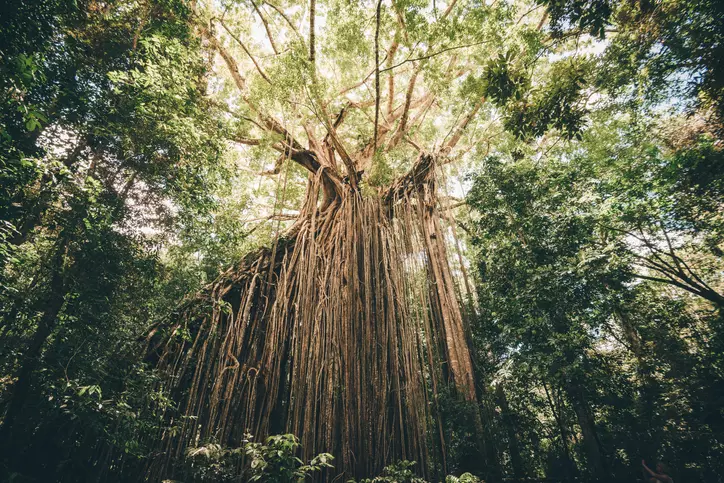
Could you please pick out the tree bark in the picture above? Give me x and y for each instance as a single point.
(334, 329)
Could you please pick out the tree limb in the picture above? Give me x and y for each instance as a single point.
(402, 126)
(238, 41)
(284, 16)
(391, 78)
(377, 71)
(266, 27)
(312, 13)
(460, 129)
(428, 56)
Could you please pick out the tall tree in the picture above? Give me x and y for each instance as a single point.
(349, 326)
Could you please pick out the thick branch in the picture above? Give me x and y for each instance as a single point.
(231, 64)
(290, 146)
(246, 141)
(391, 78)
(448, 9)
(367, 152)
(402, 127)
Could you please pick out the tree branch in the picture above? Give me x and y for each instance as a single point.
(460, 129)
(377, 71)
(284, 16)
(266, 27)
(312, 13)
(401, 128)
(448, 9)
(428, 56)
(391, 78)
(238, 41)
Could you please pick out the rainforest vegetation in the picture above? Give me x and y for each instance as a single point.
(361, 240)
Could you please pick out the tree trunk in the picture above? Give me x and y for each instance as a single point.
(591, 443)
(340, 328)
(511, 431)
(23, 380)
(570, 469)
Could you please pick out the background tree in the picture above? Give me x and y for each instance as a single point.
(100, 135)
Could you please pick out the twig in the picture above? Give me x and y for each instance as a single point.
(428, 56)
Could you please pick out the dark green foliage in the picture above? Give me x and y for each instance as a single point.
(502, 81)
(399, 472)
(569, 329)
(558, 105)
(273, 461)
(661, 47)
(102, 123)
(586, 15)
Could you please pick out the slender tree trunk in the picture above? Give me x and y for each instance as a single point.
(490, 466)
(591, 443)
(23, 380)
(571, 468)
(649, 388)
(511, 431)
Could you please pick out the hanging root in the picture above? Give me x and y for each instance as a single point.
(341, 334)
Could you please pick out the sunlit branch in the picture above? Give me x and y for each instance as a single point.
(543, 20)
(277, 217)
(231, 64)
(460, 129)
(266, 27)
(338, 146)
(285, 17)
(448, 9)
(391, 78)
(243, 46)
(433, 54)
(401, 22)
(528, 12)
(246, 141)
(312, 13)
(671, 266)
(291, 147)
(401, 128)
(367, 152)
(419, 116)
(413, 144)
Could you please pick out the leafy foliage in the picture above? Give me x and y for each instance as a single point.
(398, 472)
(273, 461)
